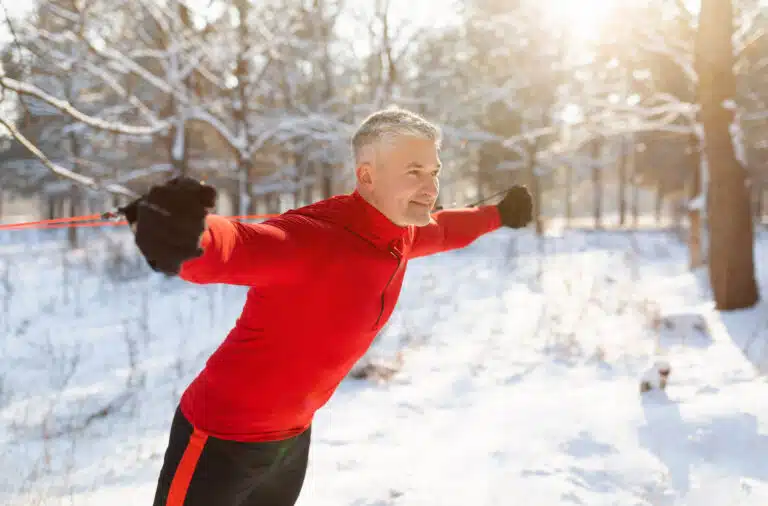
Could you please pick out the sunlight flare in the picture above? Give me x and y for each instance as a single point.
(583, 20)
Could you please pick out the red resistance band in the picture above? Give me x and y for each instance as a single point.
(96, 220)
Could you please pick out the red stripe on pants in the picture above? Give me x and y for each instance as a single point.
(183, 475)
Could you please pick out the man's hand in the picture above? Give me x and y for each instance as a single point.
(169, 221)
(516, 208)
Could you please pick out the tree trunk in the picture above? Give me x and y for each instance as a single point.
(299, 182)
(659, 199)
(178, 147)
(568, 187)
(731, 255)
(327, 175)
(51, 208)
(273, 206)
(247, 200)
(535, 187)
(479, 172)
(296, 196)
(252, 204)
(75, 195)
(75, 204)
(635, 199)
(622, 186)
(242, 109)
(235, 197)
(695, 253)
(597, 184)
(754, 196)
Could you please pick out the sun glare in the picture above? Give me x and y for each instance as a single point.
(582, 19)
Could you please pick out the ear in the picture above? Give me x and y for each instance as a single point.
(364, 172)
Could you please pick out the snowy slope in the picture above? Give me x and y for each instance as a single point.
(519, 384)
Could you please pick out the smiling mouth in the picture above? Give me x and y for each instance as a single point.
(423, 204)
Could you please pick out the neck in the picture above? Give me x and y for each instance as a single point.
(372, 201)
(367, 196)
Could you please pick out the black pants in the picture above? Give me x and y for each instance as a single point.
(201, 470)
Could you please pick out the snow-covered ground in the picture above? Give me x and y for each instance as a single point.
(521, 366)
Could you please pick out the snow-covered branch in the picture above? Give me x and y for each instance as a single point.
(61, 171)
(69, 65)
(682, 55)
(672, 106)
(67, 108)
(746, 34)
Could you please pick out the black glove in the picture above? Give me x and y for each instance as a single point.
(169, 220)
(516, 208)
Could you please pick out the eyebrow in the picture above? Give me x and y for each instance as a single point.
(417, 165)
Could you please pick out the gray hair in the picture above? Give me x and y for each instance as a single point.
(391, 122)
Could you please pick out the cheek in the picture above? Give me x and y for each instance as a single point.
(396, 193)
(412, 184)
(410, 189)
(398, 187)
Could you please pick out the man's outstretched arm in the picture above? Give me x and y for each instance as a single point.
(248, 254)
(457, 228)
(453, 229)
(178, 235)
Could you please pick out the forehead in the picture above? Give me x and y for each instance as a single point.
(407, 149)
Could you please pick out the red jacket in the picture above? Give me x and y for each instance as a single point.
(323, 281)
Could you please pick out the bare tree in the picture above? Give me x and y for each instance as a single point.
(731, 257)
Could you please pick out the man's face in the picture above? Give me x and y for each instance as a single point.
(402, 179)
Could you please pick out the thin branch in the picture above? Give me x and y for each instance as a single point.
(67, 108)
(108, 78)
(658, 45)
(741, 37)
(741, 48)
(685, 12)
(61, 171)
(11, 28)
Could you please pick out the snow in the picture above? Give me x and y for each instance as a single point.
(519, 382)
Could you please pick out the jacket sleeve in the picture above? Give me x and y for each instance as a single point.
(453, 229)
(249, 254)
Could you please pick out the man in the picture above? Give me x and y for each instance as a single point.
(324, 279)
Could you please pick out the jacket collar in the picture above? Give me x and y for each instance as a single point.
(371, 224)
(359, 217)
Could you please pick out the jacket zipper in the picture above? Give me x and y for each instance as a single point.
(384, 292)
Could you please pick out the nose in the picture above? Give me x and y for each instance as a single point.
(431, 186)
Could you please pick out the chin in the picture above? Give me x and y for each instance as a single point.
(419, 221)
(417, 215)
